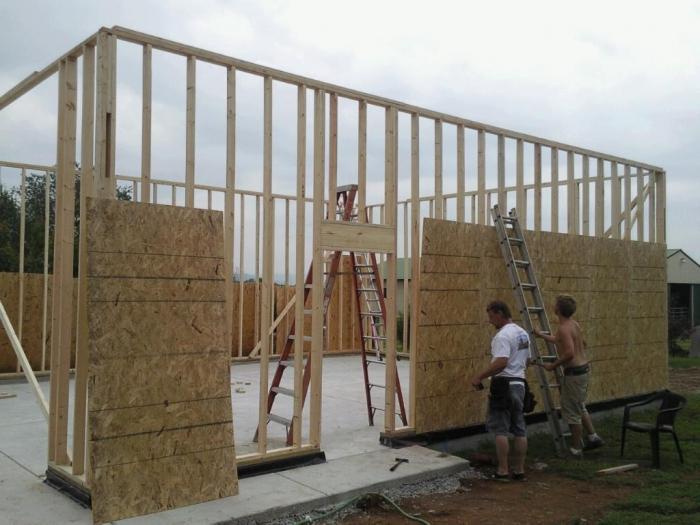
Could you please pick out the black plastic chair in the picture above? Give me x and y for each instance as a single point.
(671, 404)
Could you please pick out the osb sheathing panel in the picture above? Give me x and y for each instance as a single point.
(32, 319)
(159, 397)
(343, 334)
(621, 292)
(154, 266)
(169, 482)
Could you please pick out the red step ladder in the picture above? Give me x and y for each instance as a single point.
(371, 310)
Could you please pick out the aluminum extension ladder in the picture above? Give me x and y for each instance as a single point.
(511, 238)
(372, 313)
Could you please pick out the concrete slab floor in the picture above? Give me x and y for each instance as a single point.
(357, 463)
(345, 426)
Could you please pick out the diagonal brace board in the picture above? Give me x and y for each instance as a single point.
(22, 358)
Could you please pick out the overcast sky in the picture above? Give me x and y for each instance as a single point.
(617, 77)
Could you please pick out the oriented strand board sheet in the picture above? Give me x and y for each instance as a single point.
(32, 319)
(344, 336)
(159, 395)
(620, 287)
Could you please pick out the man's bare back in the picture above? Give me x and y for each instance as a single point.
(570, 335)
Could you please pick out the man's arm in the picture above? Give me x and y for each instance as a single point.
(565, 348)
(547, 337)
(496, 366)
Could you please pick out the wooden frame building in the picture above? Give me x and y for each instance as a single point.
(555, 187)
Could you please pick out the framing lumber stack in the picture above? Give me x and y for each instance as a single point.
(620, 287)
(159, 398)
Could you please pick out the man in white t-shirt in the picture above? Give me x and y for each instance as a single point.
(510, 353)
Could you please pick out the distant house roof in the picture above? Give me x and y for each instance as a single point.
(681, 268)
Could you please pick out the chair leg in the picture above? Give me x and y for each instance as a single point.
(678, 446)
(622, 443)
(655, 454)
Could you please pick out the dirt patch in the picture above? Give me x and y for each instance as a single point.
(684, 379)
(545, 498)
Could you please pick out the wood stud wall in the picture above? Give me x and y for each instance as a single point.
(102, 46)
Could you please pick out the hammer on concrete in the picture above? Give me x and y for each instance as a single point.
(398, 462)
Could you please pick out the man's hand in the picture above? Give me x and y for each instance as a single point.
(548, 366)
(537, 333)
(476, 382)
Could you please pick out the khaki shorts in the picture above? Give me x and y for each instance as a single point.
(573, 398)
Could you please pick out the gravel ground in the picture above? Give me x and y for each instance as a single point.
(440, 485)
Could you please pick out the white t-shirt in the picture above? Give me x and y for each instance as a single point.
(512, 342)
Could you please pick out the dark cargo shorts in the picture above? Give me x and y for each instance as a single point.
(508, 420)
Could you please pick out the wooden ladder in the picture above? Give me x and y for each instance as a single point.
(511, 239)
(367, 285)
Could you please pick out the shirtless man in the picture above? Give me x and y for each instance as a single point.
(572, 357)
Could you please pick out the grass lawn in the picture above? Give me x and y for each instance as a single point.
(683, 362)
(670, 495)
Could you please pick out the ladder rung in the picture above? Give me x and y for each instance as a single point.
(552, 385)
(374, 385)
(279, 419)
(308, 286)
(376, 337)
(515, 240)
(308, 312)
(535, 309)
(520, 262)
(306, 337)
(367, 290)
(382, 410)
(287, 362)
(363, 266)
(282, 390)
(548, 357)
(375, 361)
(371, 314)
(508, 219)
(528, 286)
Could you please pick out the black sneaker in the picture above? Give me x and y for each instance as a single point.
(592, 444)
(519, 476)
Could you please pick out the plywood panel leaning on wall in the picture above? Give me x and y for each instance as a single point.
(160, 420)
(620, 289)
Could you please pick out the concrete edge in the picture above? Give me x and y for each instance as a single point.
(323, 501)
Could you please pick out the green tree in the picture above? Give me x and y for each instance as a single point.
(35, 209)
(9, 231)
